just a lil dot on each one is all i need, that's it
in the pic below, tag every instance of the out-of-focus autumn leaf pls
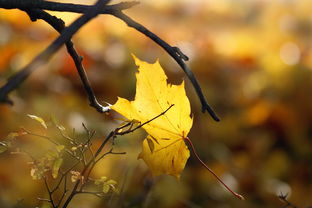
(107, 185)
(51, 161)
(258, 113)
(3, 147)
(56, 167)
(74, 176)
(6, 53)
(39, 168)
(60, 148)
(7, 142)
(12, 135)
(164, 150)
(40, 120)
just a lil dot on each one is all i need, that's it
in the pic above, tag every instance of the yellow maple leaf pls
(164, 150)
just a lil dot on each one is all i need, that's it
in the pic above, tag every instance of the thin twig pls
(118, 153)
(49, 192)
(98, 194)
(146, 122)
(64, 174)
(74, 189)
(34, 7)
(109, 152)
(90, 165)
(62, 7)
(64, 192)
(52, 141)
(211, 171)
(117, 132)
(45, 200)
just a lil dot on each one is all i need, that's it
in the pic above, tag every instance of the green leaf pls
(56, 167)
(106, 188)
(3, 148)
(75, 175)
(107, 185)
(100, 181)
(36, 172)
(12, 136)
(111, 182)
(60, 148)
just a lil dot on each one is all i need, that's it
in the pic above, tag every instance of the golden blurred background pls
(253, 60)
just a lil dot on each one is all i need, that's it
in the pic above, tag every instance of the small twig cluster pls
(64, 183)
(35, 10)
(61, 192)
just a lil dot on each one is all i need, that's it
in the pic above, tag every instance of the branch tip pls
(6, 100)
(211, 112)
(126, 5)
(180, 53)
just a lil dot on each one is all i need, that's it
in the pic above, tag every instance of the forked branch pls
(46, 54)
(59, 26)
(97, 156)
(115, 10)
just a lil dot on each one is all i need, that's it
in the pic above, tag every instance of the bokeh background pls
(253, 59)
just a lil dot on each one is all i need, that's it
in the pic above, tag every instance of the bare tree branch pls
(115, 10)
(49, 192)
(90, 165)
(61, 7)
(175, 53)
(45, 55)
(59, 25)
(61, 193)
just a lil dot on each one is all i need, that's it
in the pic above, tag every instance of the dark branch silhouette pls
(115, 10)
(175, 53)
(59, 25)
(61, 7)
(46, 54)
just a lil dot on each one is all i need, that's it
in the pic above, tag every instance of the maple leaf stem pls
(211, 171)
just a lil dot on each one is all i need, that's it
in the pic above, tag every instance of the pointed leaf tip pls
(136, 60)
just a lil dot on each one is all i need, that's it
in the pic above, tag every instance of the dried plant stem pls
(211, 171)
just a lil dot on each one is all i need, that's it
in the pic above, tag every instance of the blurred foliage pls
(253, 60)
